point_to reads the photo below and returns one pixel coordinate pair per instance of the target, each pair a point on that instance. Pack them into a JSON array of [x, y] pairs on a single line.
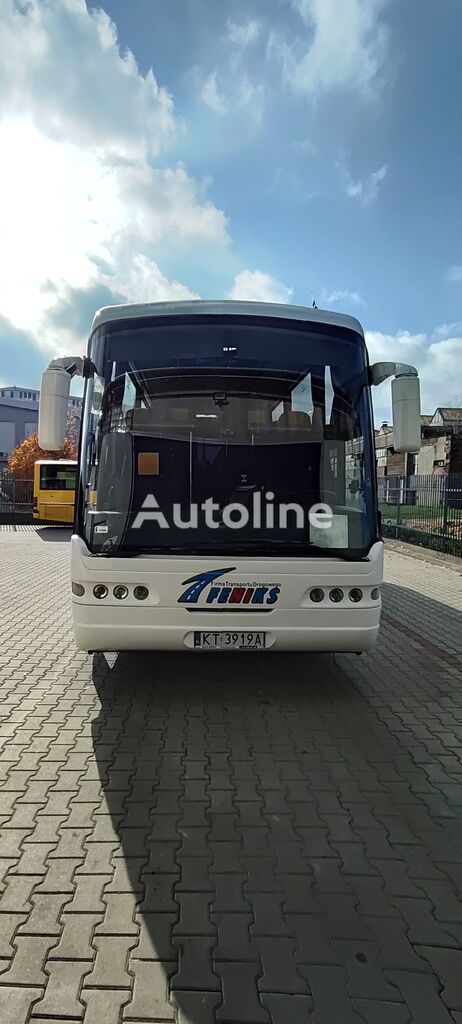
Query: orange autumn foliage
[[22, 458]]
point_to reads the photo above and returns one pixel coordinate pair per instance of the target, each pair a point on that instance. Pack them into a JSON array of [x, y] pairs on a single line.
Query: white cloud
[[447, 330], [306, 146], [141, 280], [167, 203], [250, 97], [436, 358], [367, 190], [328, 298], [253, 285], [454, 274], [232, 91], [245, 33], [230, 88], [346, 47], [80, 128], [61, 65], [211, 96]]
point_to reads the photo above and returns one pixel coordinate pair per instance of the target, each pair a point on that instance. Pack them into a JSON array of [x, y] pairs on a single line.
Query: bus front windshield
[[227, 436]]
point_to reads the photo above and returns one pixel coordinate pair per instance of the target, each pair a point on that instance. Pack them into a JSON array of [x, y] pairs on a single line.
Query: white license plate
[[237, 640]]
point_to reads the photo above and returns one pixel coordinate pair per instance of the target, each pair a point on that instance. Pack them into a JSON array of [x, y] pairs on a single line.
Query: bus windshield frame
[[217, 363]]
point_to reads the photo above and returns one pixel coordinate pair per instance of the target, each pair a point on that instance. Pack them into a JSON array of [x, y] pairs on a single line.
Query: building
[[450, 419], [19, 416], [440, 451], [19, 394], [441, 446], [389, 462]]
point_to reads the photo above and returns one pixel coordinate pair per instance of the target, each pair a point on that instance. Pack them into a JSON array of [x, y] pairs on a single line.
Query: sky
[[281, 150]]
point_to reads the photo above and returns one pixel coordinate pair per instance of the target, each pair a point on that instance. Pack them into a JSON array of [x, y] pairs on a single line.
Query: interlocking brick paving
[[272, 839]]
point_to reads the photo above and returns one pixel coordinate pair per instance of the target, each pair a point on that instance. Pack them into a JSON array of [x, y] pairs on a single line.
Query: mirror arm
[[75, 366], [379, 372]]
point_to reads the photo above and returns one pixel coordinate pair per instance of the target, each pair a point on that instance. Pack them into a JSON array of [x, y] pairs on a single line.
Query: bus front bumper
[[162, 621], [126, 628]]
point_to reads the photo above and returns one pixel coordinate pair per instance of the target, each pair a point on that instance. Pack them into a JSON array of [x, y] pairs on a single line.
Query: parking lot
[[270, 839]]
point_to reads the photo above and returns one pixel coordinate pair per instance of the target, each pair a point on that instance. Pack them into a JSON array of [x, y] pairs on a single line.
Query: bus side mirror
[[405, 396], [54, 398]]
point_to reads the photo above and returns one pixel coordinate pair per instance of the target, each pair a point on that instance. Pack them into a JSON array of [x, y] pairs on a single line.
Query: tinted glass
[[58, 478], [227, 411]]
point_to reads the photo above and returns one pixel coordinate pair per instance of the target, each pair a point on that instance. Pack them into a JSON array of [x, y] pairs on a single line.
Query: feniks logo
[[224, 593]]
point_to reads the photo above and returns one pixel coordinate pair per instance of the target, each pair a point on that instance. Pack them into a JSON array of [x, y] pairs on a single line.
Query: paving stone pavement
[[272, 840]]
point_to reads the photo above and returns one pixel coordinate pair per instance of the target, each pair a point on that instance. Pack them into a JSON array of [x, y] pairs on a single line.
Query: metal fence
[[15, 495], [425, 510]]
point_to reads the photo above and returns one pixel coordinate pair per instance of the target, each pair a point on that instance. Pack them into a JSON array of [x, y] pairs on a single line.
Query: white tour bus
[[226, 494]]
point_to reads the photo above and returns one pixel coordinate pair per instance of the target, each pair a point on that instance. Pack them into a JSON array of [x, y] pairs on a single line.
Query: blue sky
[[283, 149]]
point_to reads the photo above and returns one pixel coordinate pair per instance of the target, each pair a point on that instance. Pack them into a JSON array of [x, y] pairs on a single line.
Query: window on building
[[11, 394]]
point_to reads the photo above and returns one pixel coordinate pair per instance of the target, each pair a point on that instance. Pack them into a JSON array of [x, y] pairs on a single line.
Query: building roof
[[426, 420], [21, 403], [201, 307], [449, 414]]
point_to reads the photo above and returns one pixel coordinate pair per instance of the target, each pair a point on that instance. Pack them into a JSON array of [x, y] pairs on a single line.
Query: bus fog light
[[100, 591], [355, 595], [317, 595], [78, 590], [120, 592], [141, 593], [375, 593], [336, 595]]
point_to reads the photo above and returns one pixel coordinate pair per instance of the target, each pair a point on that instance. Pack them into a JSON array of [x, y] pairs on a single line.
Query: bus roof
[[228, 307]]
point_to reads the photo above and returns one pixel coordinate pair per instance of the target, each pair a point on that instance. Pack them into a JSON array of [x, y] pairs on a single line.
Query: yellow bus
[[54, 490]]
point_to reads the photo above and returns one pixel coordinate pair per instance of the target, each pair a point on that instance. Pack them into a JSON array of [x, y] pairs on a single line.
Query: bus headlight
[[355, 594], [120, 592], [336, 595], [77, 589], [317, 595], [100, 591], [141, 593], [375, 593]]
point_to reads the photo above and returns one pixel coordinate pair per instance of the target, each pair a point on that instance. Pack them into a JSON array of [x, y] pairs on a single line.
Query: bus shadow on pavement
[[250, 797], [54, 533], [208, 766]]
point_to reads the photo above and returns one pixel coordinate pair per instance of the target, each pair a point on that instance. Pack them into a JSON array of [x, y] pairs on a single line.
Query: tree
[[73, 428], [22, 458]]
